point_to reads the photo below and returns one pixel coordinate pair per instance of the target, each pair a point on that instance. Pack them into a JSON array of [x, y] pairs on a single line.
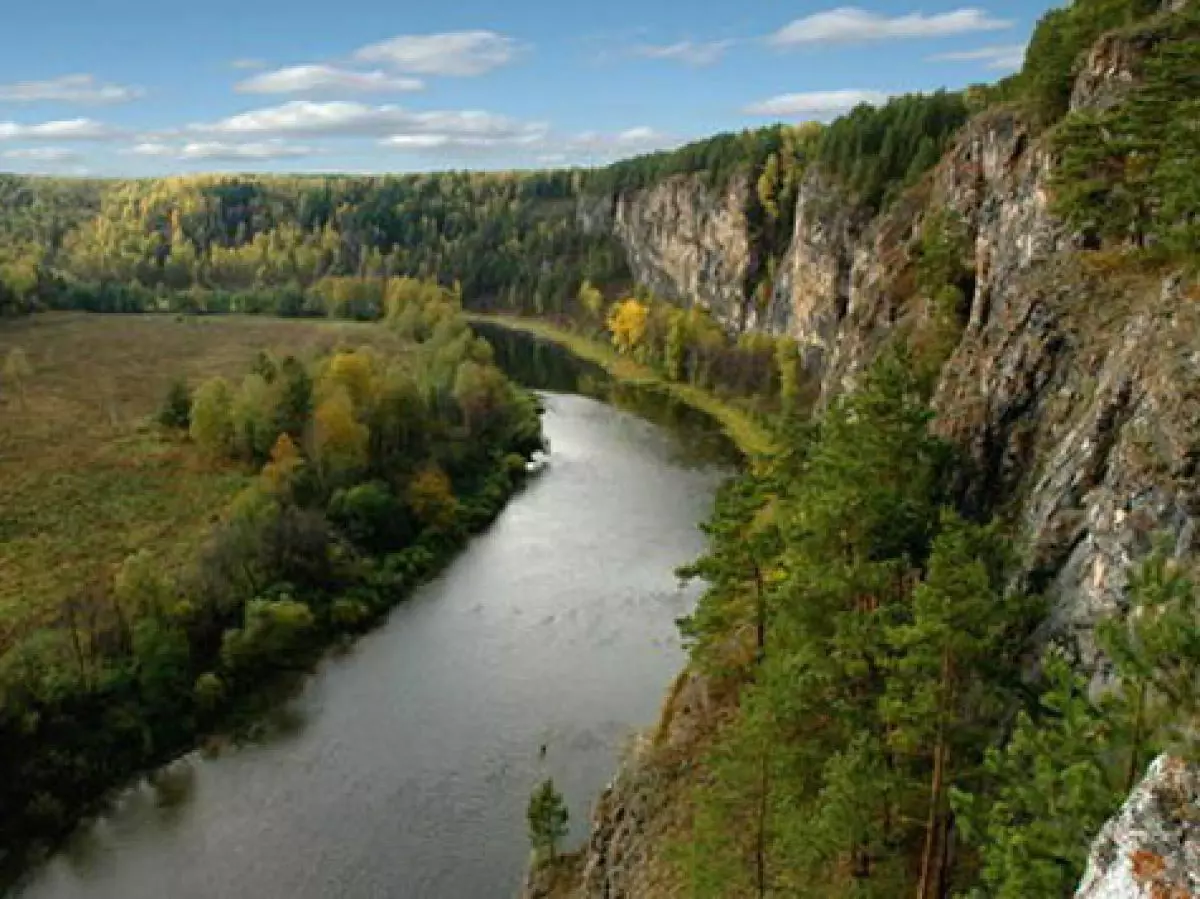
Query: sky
[[132, 87]]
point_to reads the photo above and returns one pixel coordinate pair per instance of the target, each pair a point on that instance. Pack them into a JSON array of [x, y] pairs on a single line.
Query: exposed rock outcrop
[[1151, 849], [683, 241]]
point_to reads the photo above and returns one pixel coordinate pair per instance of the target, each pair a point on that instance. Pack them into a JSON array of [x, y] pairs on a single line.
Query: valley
[[938, 636]]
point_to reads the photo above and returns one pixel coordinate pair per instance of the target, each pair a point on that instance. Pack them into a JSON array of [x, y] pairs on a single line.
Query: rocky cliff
[[1071, 388], [684, 241]]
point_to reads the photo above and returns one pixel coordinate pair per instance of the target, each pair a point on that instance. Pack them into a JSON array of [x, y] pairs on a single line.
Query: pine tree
[[547, 818], [952, 675], [1044, 796]]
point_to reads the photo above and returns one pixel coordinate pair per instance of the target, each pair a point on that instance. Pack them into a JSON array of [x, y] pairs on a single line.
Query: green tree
[[1156, 651], [547, 818], [176, 409], [1046, 793], [212, 417], [951, 676]]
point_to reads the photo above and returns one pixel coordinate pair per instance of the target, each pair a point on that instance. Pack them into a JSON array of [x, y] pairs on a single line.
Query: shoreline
[[752, 438]]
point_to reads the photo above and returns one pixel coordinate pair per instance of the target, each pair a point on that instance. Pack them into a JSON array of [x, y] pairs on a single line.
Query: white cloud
[[461, 53], [398, 127], [594, 146], [67, 129], [315, 79], [222, 150], [1006, 57], [696, 53], [68, 89], [643, 135], [815, 104], [42, 154], [849, 24], [152, 148]]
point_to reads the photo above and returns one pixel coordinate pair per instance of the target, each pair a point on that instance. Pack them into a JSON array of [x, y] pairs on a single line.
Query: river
[[403, 767]]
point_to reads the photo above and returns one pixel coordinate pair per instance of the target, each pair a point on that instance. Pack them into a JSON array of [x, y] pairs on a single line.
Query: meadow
[[86, 477]]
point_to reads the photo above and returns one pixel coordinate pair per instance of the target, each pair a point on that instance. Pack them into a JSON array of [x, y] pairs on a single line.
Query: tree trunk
[[760, 848], [933, 824], [760, 616]]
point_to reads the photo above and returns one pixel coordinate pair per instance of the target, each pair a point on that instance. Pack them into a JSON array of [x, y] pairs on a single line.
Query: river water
[[403, 767]]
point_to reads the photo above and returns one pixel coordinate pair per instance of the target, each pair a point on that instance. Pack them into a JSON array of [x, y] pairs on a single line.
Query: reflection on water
[[543, 365], [403, 767]]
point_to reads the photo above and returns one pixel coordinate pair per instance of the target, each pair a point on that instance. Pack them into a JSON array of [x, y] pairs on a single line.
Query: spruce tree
[[547, 818]]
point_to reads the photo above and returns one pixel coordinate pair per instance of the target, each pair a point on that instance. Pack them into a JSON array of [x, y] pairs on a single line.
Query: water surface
[[403, 767]]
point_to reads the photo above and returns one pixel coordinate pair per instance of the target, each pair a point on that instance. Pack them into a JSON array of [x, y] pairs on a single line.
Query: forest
[[366, 471]]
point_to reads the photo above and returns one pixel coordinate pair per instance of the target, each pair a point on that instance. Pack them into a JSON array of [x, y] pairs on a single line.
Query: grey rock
[[1151, 849]]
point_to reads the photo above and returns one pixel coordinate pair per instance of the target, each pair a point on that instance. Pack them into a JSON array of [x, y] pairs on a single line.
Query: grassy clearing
[[85, 479], [750, 436]]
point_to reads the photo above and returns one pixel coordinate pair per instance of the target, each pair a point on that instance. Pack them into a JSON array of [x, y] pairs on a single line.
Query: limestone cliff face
[[1073, 391], [682, 240], [1151, 849]]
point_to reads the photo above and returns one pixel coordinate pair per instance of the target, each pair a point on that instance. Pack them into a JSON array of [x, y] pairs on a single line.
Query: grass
[[86, 479], [746, 431]]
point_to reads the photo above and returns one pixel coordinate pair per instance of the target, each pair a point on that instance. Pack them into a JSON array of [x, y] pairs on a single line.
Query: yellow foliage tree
[[339, 441], [627, 322], [352, 372], [285, 461], [431, 497]]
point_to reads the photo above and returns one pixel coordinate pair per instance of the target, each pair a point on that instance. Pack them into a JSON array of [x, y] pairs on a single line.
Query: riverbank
[[748, 433], [405, 766]]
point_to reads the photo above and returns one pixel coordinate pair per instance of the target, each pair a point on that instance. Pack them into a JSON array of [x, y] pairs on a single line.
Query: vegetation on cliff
[[881, 658]]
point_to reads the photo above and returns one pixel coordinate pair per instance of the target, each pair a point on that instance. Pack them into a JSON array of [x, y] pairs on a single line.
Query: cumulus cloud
[[849, 24], [696, 53], [460, 53], [815, 104], [393, 125], [66, 129], [318, 79], [1005, 58], [222, 150], [42, 154], [68, 89]]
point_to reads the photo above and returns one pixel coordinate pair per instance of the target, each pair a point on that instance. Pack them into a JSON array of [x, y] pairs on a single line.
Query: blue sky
[[132, 87]]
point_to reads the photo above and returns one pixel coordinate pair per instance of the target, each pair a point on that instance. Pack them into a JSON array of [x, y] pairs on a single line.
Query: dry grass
[[85, 479]]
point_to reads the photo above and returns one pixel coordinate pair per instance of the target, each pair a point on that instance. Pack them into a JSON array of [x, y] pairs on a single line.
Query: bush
[[176, 410]]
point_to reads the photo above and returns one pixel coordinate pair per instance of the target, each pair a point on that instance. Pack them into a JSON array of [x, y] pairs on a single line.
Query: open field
[[85, 479]]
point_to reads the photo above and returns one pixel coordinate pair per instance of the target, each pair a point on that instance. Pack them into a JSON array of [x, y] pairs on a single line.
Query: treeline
[[373, 470], [136, 244], [892, 736], [879, 151]]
